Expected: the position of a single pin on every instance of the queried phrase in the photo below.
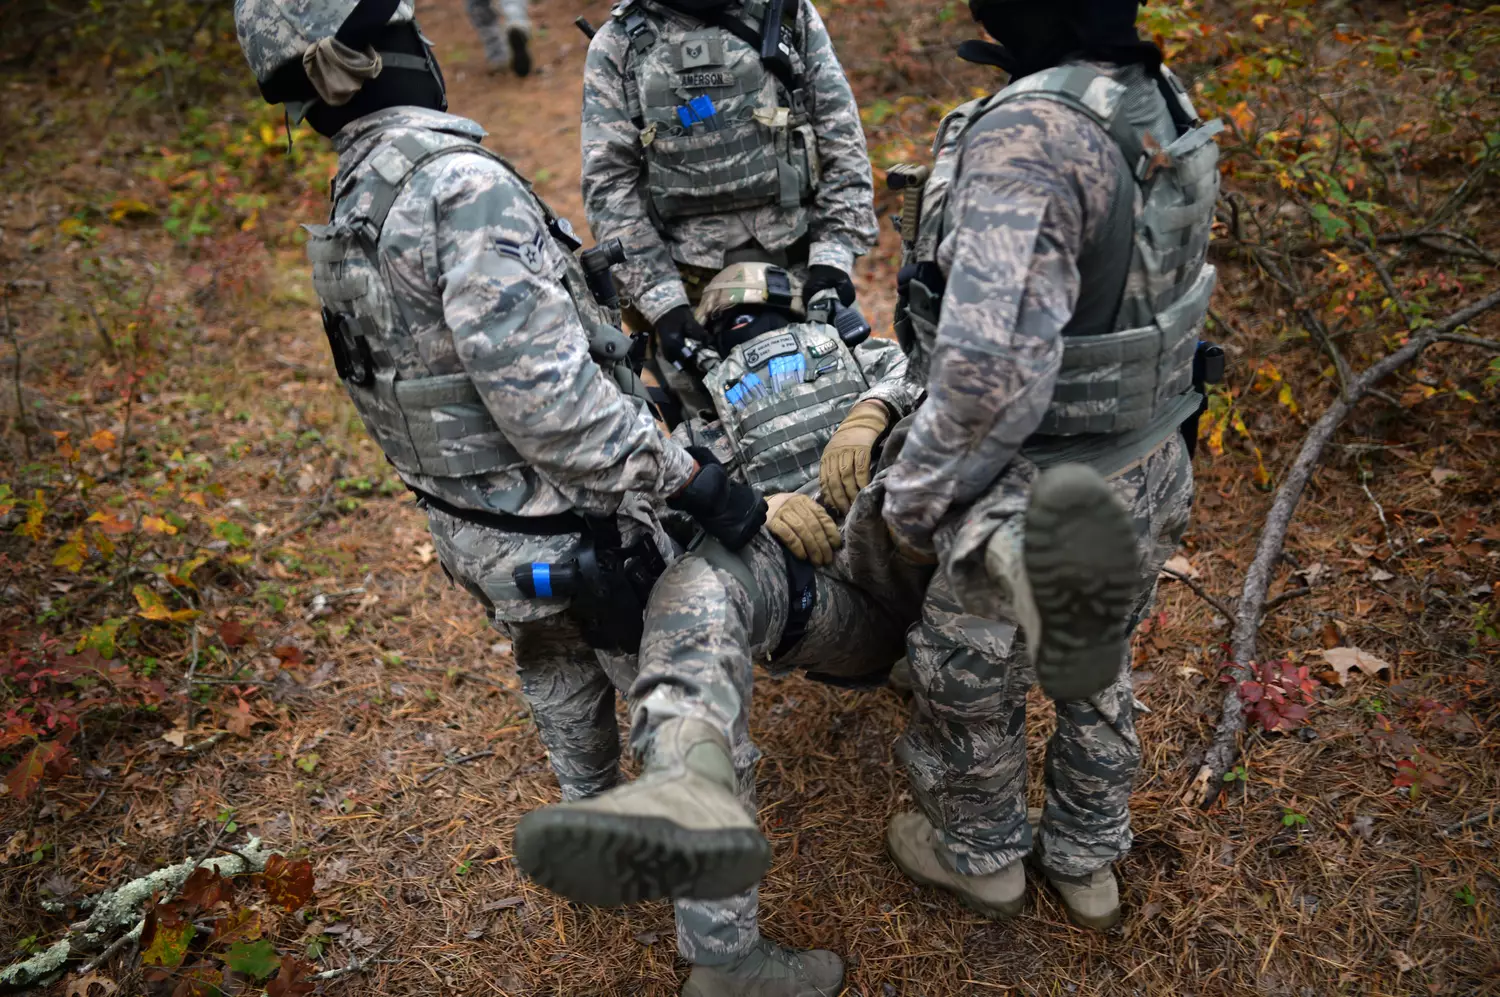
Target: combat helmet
(305, 51)
(760, 284)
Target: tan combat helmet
(751, 284)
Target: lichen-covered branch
(121, 909)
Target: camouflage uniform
(820, 141)
(515, 15)
(482, 290)
(711, 618)
(696, 606)
(1026, 204)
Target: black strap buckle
(352, 359)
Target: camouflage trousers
(566, 683)
(705, 627)
(965, 746)
(492, 32)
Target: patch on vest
(697, 52)
(529, 251)
(756, 354)
(705, 79)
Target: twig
(203, 745)
(1208, 781)
(1384, 274)
(15, 343)
(1469, 822)
(1475, 341)
(135, 932)
(466, 759)
(106, 342)
(355, 966)
(187, 687)
(459, 673)
(1202, 592)
(1286, 597)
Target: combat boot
(520, 53)
(1091, 900)
(1073, 579)
(914, 844)
(768, 970)
(678, 831)
(497, 54)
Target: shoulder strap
(1086, 90)
(750, 36)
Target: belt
(802, 589)
(556, 524)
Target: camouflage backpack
(755, 149)
(780, 396)
(1128, 350)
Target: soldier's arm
(842, 223)
(519, 337)
(886, 371)
(1021, 204)
(614, 197)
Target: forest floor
(250, 635)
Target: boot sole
(609, 860)
(520, 55)
(1081, 560)
(996, 912)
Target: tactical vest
(426, 424)
(779, 398)
(756, 150)
(1128, 350)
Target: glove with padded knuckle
(803, 527)
(729, 511)
(821, 276)
(674, 329)
(845, 466)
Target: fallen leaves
(1180, 564)
(84, 986)
(1343, 660)
(205, 887)
(288, 883)
(166, 936)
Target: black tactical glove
(730, 512)
(674, 329)
(820, 277)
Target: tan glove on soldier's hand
(803, 527)
(846, 460)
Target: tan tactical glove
(803, 527)
(846, 460)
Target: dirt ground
(397, 754)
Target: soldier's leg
(572, 703)
(517, 19)
(570, 696)
(487, 27)
(1094, 753)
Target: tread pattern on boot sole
(608, 860)
(1082, 563)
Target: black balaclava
(1034, 35)
(394, 87)
(695, 8)
(735, 326)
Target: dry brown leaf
(1404, 963)
(1442, 474)
(1343, 660)
(1180, 564)
(84, 986)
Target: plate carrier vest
(779, 423)
(759, 151)
(426, 424)
(1128, 350)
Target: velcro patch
(758, 352)
(528, 251)
(705, 79)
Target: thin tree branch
(1201, 592)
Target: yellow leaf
(196, 498)
(248, 225)
(155, 524)
(36, 509)
(1260, 21)
(183, 615)
(267, 136)
(1216, 436)
(71, 555)
(103, 441)
(152, 608)
(129, 207)
(1284, 396)
(1262, 477)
